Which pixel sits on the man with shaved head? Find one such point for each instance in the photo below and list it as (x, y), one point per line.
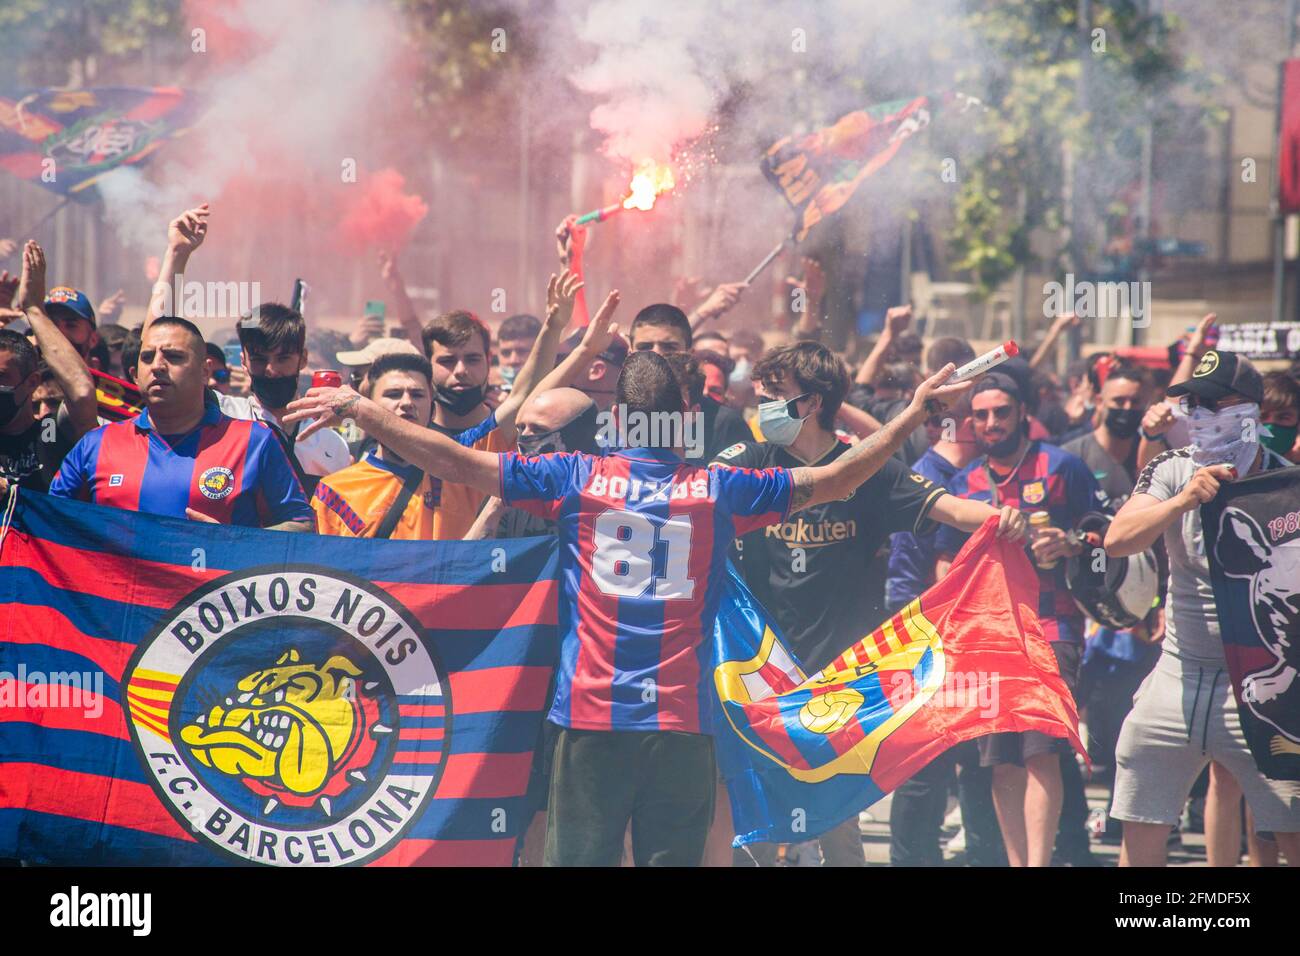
(181, 456)
(553, 421)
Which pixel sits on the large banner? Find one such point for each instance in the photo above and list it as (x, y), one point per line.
(64, 140)
(179, 693)
(965, 659)
(1252, 540)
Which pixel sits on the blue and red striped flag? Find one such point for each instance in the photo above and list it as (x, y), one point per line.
(65, 140)
(179, 693)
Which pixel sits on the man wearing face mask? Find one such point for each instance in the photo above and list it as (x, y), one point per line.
(811, 571)
(273, 340)
(457, 343)
(1110, 449)
(31, 446)
(1280, 412)
(1185, 714)
(552, 422)
(515, 340)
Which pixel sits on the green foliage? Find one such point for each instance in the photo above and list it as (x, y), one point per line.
(1028, 69)
(53, 42)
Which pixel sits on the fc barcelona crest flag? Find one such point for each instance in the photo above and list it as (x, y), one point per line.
(967, 658)
(1252, 541)
(65, 140)
(177, 693)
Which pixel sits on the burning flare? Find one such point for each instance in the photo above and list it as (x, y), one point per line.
(648, 182)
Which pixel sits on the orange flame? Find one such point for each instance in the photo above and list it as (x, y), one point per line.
(650, 180)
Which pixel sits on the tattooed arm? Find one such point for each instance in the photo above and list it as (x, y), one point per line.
(433, 452)
(841, 477)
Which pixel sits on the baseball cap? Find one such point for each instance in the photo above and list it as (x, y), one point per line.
(374, 349)
(68, 300)
(998, 382)
(1220, 374)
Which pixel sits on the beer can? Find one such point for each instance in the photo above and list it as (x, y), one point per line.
(326, 378)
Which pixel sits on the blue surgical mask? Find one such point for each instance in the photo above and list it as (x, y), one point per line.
(777, 424)
(508, 373)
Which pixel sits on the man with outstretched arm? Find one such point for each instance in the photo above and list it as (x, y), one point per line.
(642, 536)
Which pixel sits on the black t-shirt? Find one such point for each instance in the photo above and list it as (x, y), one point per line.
(723, 427)
(1115, 479)
(31, 458)
(811, 572)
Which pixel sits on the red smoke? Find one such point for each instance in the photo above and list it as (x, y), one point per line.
(380, 214)
(224, 38)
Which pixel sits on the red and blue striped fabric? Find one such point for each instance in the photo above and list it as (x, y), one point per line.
(184, 693)
(1049, 479)
(87, 133)
(644, 539)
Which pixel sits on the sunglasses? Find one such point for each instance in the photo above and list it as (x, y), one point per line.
(1002, 413)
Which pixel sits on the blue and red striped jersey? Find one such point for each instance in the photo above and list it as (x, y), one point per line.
(1049, 479)
(233, 471)
(644, 539)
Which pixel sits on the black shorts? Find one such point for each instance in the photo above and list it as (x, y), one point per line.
(1015, 748)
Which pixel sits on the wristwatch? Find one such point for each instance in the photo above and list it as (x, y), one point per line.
(1143, 433)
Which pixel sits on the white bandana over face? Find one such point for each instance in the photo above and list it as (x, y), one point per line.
(1224, 437)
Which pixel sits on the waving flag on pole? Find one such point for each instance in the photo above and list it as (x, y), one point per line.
(966, 659)
(817, 173)
(176, 693)
(65, 140)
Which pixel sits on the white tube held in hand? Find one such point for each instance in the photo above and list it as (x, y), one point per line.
(985, 363)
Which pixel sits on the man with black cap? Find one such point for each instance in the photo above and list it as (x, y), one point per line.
(1186, 713)
(1032, 476)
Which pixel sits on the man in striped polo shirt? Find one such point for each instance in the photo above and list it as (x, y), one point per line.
(182, 457)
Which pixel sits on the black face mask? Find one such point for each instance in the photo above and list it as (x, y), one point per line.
(546, 443)
(459, 401)
(9, 405)
(275, 392)
(1123, 422)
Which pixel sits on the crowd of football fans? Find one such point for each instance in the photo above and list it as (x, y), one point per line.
(207, 442)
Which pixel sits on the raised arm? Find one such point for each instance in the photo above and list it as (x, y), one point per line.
(1048, 345)
(560, 295)
(396, 287)
(717, 304)
(1196, 347)
(418, 444)
(896, 320)
(57, 352)
(860, 422)
(185, 233)
(839, 479)
(813, 284)
(600, 332)
(1144, 517)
